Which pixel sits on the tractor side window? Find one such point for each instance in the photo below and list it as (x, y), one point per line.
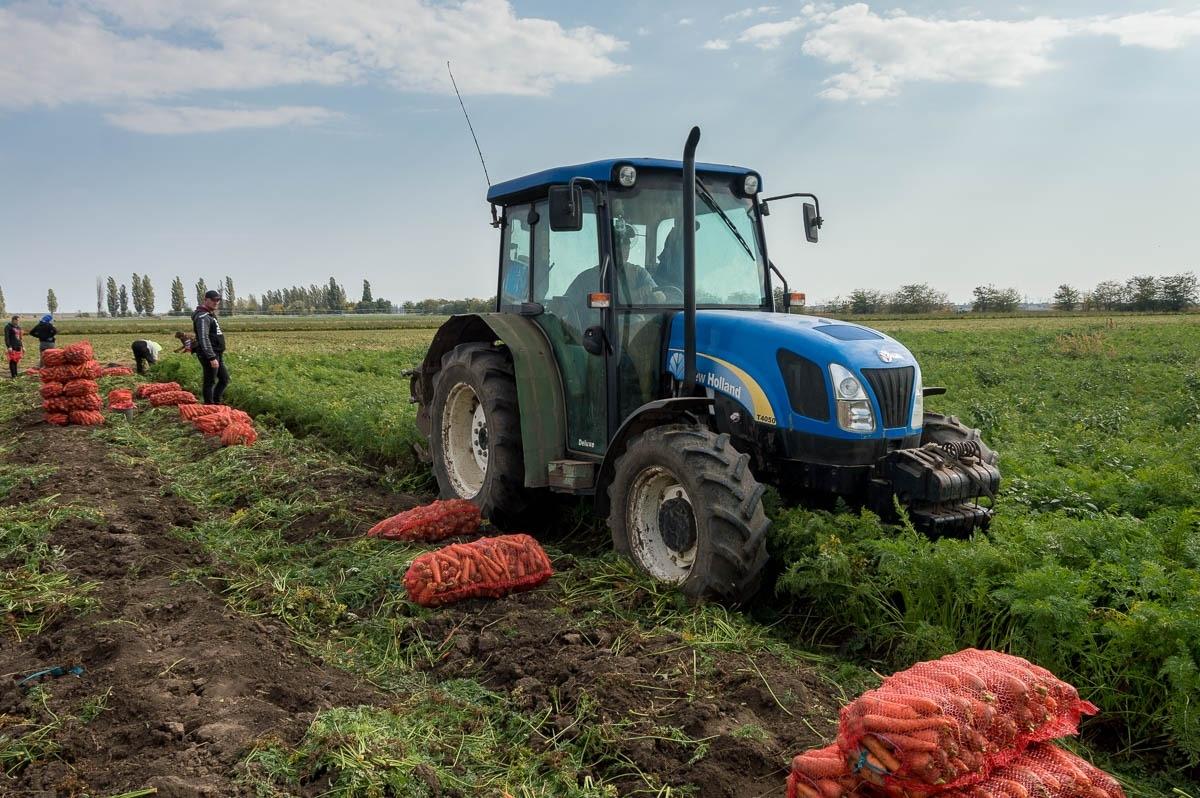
(570, 253)
(514, 258)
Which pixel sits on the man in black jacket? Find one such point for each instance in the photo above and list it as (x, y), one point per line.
(12, 344)
(45, 332)
(210, 348)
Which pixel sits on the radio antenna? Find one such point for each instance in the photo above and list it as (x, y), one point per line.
(469, 126)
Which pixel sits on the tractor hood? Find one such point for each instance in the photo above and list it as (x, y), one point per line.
(777, 364)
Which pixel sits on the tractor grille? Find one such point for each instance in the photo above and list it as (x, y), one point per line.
(806, 387)
(893, 390)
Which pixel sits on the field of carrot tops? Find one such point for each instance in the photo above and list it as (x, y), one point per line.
(1091, 569)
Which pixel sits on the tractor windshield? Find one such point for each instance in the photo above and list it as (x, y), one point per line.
(649, 243)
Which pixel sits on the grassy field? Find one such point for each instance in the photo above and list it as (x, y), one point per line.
(1092, 567)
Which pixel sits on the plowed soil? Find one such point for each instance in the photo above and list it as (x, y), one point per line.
(192, 684)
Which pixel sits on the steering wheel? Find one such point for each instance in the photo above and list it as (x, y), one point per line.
(674, 295)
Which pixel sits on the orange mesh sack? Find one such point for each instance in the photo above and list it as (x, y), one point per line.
(1045, 771)
(172, 398)
(89, 401)
(80, 388)
(78, 354)
(51, 389)
(215, 423)
(120, 399)
(56, 405)
(822, 773)
(436, 521)
(87, 418)
(116, 371)
(53, 357)
(148, 389)
(238, 433)
(57, 419)
(57, 373)
(193, 412)
(948, 722)
(486, 567)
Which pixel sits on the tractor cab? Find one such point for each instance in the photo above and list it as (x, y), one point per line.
(603, 279)
(637, 355)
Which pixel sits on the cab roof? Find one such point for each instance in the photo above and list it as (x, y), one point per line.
(600, 171)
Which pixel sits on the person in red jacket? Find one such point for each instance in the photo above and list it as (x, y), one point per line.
(12, 344)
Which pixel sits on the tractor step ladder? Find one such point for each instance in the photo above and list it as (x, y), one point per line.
(571, 476)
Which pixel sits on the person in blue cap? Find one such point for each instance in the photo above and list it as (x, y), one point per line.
(45, 332)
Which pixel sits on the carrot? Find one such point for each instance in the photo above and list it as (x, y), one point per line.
(876, 747)
(795, 787)
(879, 723)
(905, 743)
(879, 706)
(819, 768)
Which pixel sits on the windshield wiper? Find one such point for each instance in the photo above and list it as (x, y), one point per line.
(708, 200)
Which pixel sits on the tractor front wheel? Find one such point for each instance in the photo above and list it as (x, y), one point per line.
(686, 509)
(475, 440)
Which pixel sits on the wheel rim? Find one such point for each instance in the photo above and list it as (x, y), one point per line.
(662, 525)
(465, 441)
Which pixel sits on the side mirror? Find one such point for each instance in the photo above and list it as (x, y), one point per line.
(566, 208)
(812, 222)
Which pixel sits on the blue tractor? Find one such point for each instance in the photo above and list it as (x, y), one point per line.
(638, 355)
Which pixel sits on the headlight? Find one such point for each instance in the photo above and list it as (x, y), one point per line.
(918, 413)
(854, 412)
(750, 185)
(627, 176)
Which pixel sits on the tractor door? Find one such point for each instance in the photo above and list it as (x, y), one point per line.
(566, 269)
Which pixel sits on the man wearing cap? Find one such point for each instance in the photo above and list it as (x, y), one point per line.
(45, 332)
(210, 348)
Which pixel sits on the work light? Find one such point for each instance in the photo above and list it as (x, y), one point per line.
(750, 185)
(627, 176)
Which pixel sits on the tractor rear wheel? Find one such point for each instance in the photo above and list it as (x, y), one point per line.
(686, 509)
(475, 441)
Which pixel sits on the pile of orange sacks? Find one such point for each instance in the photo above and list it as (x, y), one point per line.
(69, 391)
(234, 427)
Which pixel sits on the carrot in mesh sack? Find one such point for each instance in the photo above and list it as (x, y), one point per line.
(172, 398)
(80, 388)
(53, 357)
(193, 412)
(78, 354)
(821, 773)
(948, 722)
(120, 399)
(88, 402)
(1043, 771)
(87, 418)
(57, 419)
(436, 521)
(485, 567)
(116, 371)
(148, 389)
(238, 433)
(215, 423)
(50, 390)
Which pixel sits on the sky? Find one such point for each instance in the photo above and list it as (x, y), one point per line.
(283, 141)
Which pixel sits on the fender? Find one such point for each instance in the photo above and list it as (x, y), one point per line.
(689, 409)
(539, 385)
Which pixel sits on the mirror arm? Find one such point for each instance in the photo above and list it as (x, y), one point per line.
(813, 197)
(575, 181)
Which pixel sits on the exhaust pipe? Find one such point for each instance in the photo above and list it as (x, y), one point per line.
(689, 262)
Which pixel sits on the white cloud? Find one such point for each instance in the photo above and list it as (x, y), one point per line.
(882, 53)
(746, 13)
(686, 21)
(168, 120)
(1158, 30)
(117, 51)
(716, 44)
(769, 35)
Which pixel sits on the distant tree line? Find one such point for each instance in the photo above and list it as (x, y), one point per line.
(443, 307)
(1172, 293)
